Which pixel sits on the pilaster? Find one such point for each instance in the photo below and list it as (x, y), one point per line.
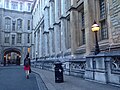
(63, 28)
(40, 49)
(36, 43)
(50, 41)
(57, 39)
(46, 18)
(73, 27)
(88, 24)
(46, 34)
(52, 13)
(63, 7)
(56, 11)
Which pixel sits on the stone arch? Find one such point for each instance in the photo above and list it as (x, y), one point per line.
(15, 50)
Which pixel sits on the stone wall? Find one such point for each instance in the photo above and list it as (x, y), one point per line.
(115, 20)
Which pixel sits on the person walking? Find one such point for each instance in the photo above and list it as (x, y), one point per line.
(27, 66)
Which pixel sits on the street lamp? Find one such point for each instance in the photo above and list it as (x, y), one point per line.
(96, 28)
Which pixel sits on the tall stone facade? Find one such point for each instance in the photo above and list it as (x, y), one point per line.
(15, 27)
(62, 32)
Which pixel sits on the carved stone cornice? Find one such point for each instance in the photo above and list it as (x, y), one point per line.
(51, 28)
(62, 17)
(45, 32)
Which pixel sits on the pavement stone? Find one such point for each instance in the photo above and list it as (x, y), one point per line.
(71, 82)
(14, 78)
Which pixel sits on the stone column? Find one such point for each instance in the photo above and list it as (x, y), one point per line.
(46, 28)
(63, 7)
(88, 19)
(50, 41)
(52, 13)
(52, 20)
(56, 27)
(57, 41)
(63, 27)
(73, 27)
(46, 42)
(36, 42)
(56, 11)
(46, 18)
(40, 42)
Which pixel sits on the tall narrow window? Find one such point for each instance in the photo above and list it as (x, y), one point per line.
(19, 38)
(13, 39)
(28, 38)
(21, 6)
(14, 5)
(13, 25)
(7, 24)
(28, 25)
(83, 28)
(29, 5)
(7, 3)
(19, 24)
(104, 31)
(7, 38)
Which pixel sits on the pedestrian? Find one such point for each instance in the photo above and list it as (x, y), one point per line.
(27, 66)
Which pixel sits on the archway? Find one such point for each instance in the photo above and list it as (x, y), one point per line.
(12, 56)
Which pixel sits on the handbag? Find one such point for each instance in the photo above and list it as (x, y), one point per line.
(30, 70)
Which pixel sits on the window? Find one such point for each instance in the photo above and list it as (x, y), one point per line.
(19, 37)
(14, 5)
(104, 33)
(7, 24)
(29, 6)
(83, 28)
(21, 6)
(7, 38)
(104, 30)
(28, 38)
(13, 25)
(7, 3)
(28, 24)
(13, 39)
(102, 9)
(19, 24)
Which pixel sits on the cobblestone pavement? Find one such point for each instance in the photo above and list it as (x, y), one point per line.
(13, 78)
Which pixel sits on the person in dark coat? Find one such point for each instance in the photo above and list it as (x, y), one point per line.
(27, 66)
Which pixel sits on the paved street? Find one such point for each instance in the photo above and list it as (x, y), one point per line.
(13, 78)
(71, 82)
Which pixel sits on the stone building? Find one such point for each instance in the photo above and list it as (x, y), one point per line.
(15, 29)
(62, 32)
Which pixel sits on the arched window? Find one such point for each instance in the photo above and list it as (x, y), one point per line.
(19, 24)
(7, 24)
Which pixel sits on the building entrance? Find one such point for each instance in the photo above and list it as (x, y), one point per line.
(12, 57)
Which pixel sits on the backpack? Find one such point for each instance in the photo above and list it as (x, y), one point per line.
(27, 62)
